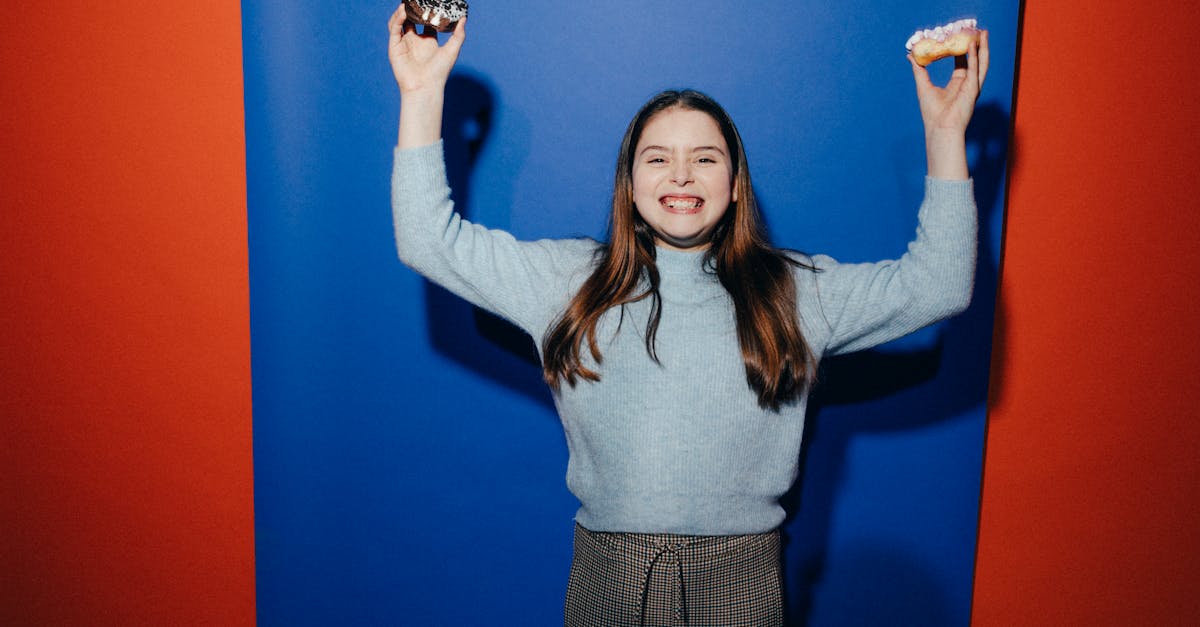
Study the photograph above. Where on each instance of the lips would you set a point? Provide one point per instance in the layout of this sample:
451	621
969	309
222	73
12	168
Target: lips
682	204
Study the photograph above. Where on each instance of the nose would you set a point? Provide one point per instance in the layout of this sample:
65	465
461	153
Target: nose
681	172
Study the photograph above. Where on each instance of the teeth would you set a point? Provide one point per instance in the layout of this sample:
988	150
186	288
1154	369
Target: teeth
940	33
679	203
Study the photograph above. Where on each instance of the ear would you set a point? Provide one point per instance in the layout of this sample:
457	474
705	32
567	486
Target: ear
734	195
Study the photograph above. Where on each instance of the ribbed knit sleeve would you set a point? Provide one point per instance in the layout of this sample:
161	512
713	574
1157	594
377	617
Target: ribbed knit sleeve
525	282
871	303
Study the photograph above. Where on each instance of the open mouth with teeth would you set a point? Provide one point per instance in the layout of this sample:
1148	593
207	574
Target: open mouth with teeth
682	204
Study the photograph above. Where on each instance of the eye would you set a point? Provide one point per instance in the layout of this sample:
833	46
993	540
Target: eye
656	160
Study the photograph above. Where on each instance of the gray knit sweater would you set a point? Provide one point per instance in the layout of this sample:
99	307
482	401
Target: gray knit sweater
681	446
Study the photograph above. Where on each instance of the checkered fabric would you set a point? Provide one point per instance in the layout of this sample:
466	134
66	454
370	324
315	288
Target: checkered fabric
637	579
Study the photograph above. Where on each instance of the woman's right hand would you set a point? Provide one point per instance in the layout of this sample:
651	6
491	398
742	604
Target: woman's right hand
419	63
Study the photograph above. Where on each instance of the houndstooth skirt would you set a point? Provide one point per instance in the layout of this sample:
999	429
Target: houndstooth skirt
637	579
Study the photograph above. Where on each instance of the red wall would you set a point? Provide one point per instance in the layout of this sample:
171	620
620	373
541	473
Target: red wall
125	389
1091	504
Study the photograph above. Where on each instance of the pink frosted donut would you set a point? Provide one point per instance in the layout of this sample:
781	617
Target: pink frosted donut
442	15
950	40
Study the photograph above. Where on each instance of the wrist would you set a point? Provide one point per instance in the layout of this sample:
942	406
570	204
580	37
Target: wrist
948	136
946	155
423	96
420	118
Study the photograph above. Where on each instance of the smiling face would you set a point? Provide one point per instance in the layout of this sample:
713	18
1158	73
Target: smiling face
682	177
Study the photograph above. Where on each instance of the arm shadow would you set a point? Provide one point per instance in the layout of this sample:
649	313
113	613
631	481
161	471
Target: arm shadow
474	338
897	391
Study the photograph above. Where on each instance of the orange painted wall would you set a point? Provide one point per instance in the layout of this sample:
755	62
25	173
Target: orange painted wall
1091	503
126	470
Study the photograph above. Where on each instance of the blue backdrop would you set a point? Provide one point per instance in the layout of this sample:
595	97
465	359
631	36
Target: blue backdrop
409	467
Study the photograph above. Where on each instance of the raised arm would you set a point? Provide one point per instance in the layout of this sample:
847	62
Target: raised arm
868	304
421	67
525	282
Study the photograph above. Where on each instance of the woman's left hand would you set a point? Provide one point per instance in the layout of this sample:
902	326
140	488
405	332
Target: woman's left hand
949	108
946	111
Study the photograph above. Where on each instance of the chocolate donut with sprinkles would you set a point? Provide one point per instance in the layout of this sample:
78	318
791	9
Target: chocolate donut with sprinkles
442	15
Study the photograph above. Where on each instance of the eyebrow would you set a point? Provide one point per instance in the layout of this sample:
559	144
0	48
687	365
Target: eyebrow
696	149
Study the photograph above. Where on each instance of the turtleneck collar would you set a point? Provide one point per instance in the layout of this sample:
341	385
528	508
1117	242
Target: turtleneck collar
671	261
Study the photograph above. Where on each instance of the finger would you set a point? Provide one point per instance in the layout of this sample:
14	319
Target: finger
958	76
399	25
397	19
920	75
972	82
983	57
457	37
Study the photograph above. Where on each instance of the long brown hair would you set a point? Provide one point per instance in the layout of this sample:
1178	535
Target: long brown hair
780	366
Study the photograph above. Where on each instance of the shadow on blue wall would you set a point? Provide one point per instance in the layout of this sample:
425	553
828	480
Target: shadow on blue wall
477	339
940	382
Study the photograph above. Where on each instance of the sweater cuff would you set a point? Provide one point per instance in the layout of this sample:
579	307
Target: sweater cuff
429	159
951	192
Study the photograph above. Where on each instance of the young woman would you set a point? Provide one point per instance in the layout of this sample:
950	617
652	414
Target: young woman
681	351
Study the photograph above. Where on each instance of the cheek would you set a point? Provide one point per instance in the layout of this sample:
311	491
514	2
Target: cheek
638	191
723	186
641	183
